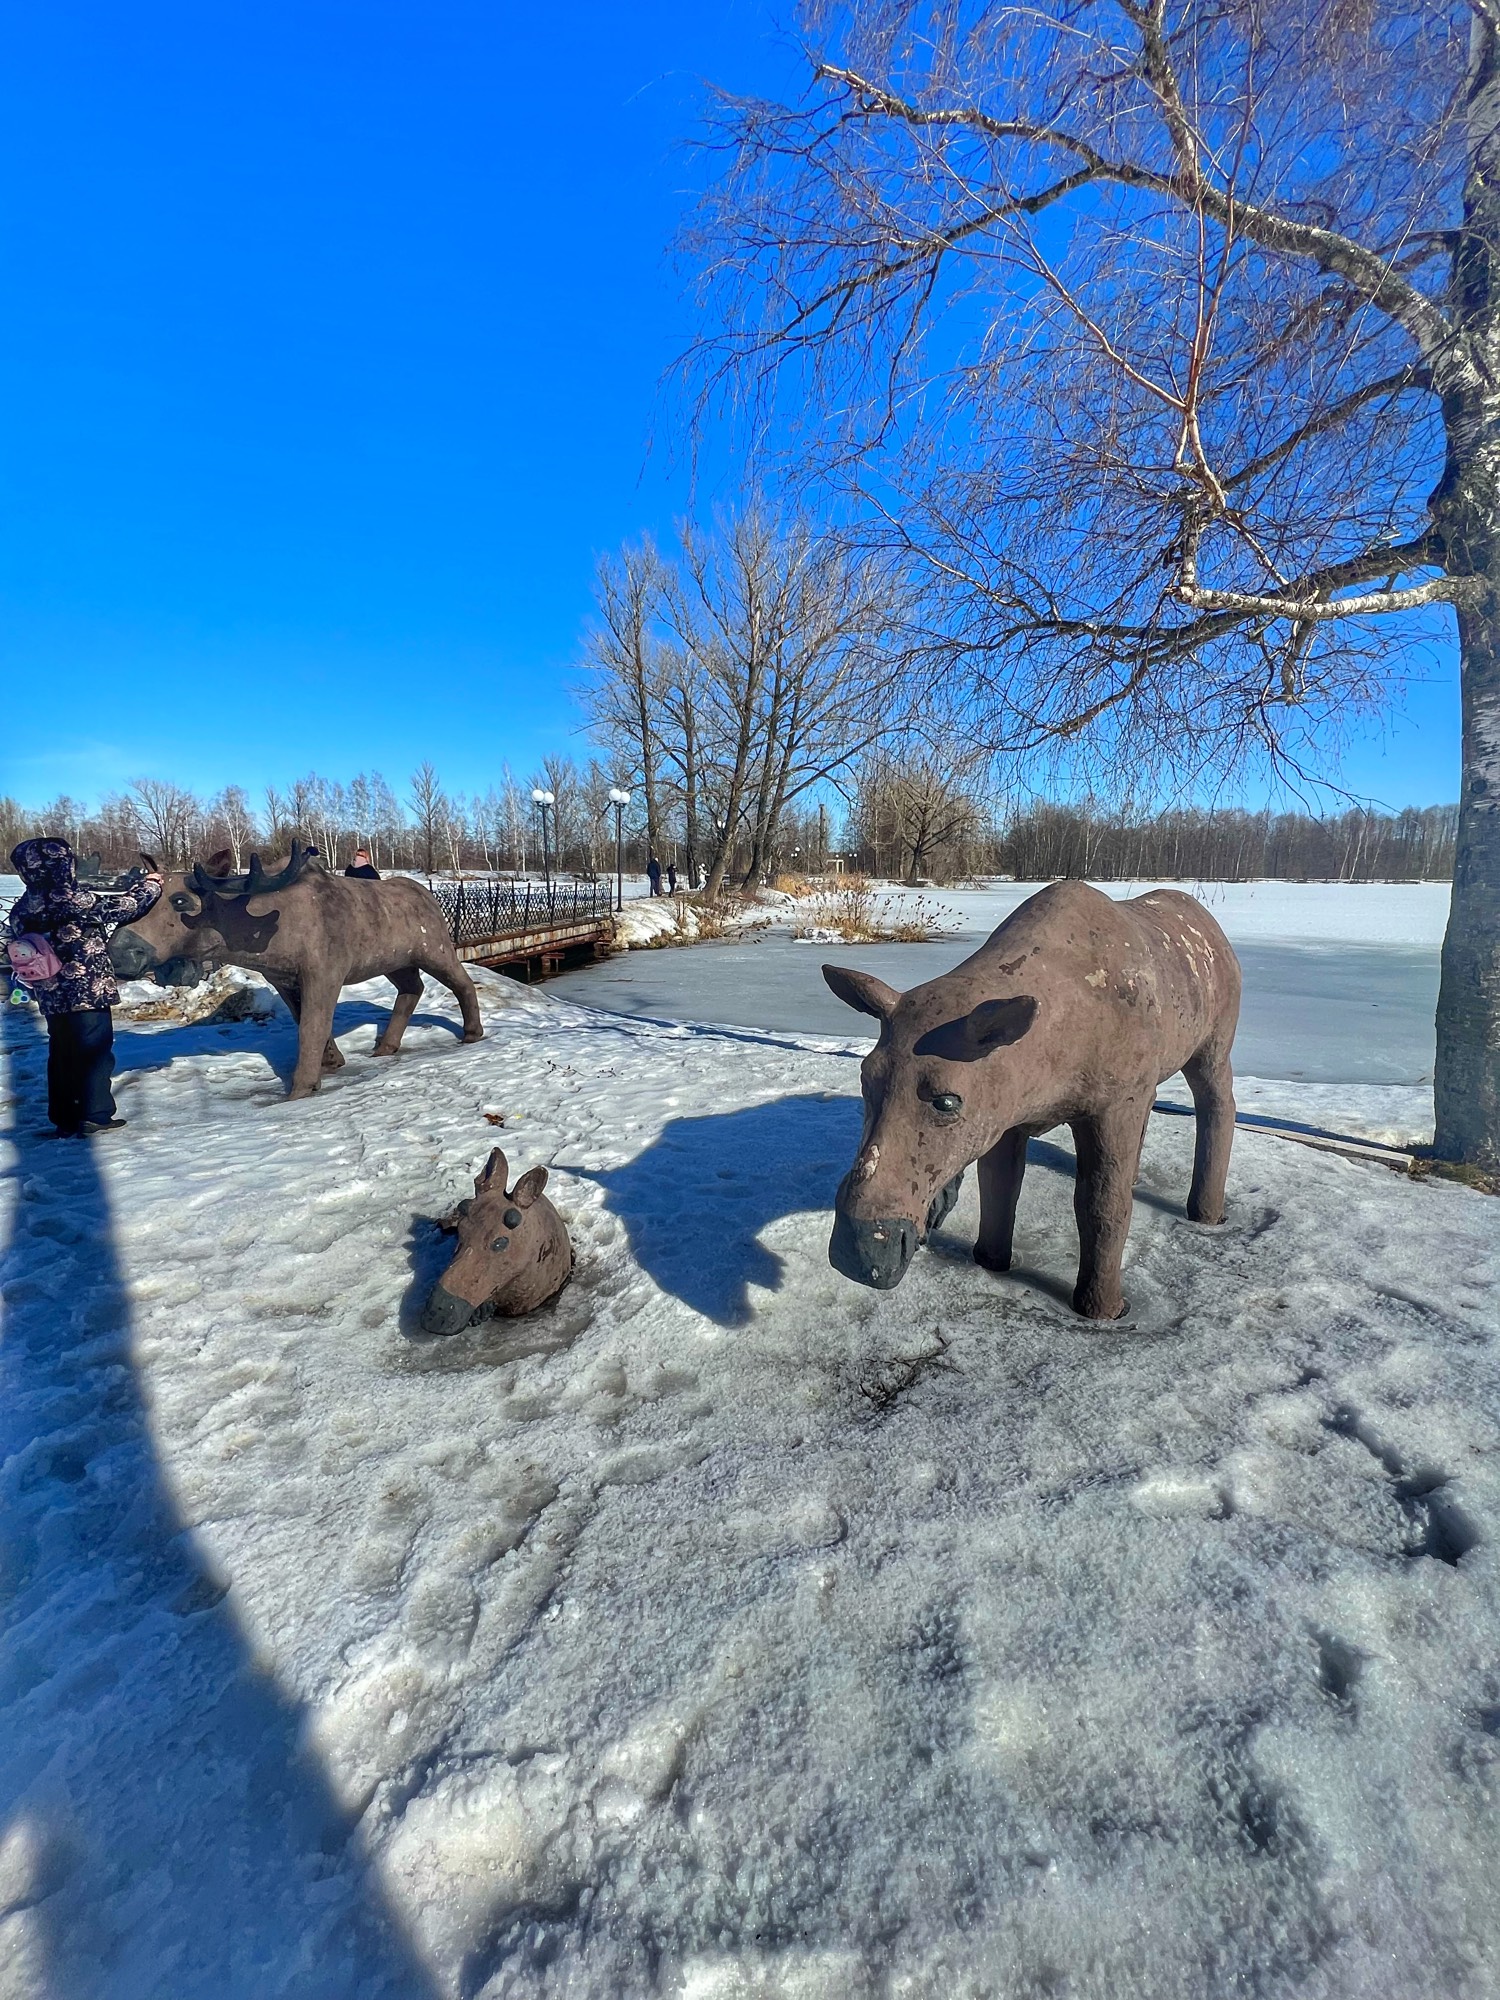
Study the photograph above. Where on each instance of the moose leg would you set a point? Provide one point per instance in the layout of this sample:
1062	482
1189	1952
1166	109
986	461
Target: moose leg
450	973
291	993
314	1037
408	985
1211	1081
1109	1153
1000	1171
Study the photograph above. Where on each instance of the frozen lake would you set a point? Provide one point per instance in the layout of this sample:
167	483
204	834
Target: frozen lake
1344	993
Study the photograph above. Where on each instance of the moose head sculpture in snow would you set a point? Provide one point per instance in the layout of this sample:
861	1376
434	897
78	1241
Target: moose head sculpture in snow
513	1251
1072	1012
310	934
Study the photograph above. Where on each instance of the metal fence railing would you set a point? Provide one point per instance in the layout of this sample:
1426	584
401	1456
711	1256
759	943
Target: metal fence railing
478	911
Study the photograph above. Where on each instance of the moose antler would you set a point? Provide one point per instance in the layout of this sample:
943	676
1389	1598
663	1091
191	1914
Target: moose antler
262	884
256	883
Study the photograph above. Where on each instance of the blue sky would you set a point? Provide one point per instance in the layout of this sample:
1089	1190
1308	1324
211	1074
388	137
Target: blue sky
330	363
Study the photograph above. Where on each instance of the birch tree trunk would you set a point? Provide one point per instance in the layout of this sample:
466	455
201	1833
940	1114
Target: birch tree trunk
1466	510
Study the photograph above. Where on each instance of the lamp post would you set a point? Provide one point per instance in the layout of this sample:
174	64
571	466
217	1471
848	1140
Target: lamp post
619	799
541	800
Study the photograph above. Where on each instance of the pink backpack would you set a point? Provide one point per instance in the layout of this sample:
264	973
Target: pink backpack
33	961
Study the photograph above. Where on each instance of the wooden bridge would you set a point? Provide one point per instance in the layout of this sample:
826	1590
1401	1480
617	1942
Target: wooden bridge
528	929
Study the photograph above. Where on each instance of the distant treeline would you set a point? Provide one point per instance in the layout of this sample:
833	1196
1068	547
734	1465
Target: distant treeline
1415	845
908	821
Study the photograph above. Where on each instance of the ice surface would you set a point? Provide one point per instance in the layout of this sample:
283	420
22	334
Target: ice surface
724	1630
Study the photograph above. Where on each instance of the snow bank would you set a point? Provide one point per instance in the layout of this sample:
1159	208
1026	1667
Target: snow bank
724	1629
652	920
647	919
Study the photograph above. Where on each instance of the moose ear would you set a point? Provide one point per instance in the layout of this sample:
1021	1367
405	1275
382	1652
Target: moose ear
495	1164
862	990
529	1186
993	1024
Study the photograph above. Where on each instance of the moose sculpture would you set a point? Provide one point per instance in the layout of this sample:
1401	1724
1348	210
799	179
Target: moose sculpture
310	934
1072	1012
513	1251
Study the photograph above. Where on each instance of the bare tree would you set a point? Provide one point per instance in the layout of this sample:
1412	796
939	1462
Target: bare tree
1176	330
626	687
429	806
923	814
165	817
278	819
682	748
389	828
561	777
785	630
68	817
232	818
324	813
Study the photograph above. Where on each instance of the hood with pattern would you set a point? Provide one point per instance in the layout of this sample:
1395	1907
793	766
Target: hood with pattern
48	867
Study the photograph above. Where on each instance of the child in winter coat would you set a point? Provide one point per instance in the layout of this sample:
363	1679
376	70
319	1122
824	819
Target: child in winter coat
76	1002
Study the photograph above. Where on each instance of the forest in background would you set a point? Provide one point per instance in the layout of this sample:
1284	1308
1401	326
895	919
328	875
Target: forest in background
902	821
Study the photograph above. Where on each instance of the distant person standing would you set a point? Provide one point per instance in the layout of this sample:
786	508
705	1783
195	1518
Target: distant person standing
361	868
653	875
671	878
76	1001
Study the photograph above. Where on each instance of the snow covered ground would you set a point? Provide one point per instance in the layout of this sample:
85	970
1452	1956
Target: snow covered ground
723	1631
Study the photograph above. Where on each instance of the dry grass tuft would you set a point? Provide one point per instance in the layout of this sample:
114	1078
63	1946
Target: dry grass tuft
1483	1180
856	912
696	919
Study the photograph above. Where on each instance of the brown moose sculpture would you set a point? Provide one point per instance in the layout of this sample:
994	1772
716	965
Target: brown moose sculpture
513	1251
1072	1012
310	934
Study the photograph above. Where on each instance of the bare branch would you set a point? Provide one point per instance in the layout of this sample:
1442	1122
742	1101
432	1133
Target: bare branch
1368	392
1370	274
1465	590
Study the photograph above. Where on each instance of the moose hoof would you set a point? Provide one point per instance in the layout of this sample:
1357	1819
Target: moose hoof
301	1090
1091	1306
992	1260
473	1034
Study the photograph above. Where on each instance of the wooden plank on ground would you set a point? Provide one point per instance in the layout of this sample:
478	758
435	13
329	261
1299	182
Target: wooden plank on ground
1343	1144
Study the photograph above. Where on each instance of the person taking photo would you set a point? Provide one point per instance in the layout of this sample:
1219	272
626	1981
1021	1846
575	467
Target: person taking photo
73	925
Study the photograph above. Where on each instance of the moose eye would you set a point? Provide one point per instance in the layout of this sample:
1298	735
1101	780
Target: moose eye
512	1218
947	1103
500	1243
181	901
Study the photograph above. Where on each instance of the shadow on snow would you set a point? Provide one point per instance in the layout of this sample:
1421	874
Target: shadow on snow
173	1832
274	1037
695	1201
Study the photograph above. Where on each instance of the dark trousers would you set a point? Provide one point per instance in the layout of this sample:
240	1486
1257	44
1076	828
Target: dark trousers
80	1063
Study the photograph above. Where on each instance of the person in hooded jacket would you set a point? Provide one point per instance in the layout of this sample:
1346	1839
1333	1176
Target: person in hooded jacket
76	922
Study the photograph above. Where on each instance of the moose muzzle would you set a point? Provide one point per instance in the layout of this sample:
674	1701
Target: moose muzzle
445	1312
130	955
872	1250
875	1250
